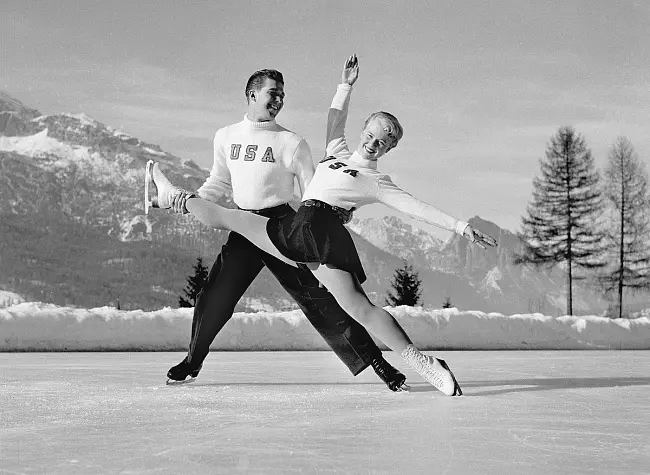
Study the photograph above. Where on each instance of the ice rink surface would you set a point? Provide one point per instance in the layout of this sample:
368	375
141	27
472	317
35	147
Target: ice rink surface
524	412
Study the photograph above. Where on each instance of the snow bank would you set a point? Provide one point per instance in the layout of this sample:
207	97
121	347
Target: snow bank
9	298
44	327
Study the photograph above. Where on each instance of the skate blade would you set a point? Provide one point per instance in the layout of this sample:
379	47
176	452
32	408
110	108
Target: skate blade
148	203
173	382
457	390
403	388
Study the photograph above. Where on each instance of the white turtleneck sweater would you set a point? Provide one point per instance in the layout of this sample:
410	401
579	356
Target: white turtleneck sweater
257	162
347	180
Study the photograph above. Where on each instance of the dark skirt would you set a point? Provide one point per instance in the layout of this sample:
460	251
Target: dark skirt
316	234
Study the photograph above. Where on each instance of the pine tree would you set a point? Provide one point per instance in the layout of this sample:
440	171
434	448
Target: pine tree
562	225
194	284
406	284
626	190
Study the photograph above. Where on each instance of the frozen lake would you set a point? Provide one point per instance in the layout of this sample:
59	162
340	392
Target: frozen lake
524	412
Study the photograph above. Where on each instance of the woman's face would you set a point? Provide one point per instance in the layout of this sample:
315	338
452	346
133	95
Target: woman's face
375	140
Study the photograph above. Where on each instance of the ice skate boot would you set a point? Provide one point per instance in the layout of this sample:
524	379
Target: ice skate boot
395	380
164	191
434	370
178	374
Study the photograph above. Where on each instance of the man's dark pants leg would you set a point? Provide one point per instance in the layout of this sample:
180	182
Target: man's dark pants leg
232	273
347	337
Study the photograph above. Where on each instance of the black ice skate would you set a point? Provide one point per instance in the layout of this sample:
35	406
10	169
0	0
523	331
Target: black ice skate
178	374
395	380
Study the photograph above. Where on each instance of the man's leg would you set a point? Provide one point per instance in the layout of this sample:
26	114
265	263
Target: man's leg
348	338
232	273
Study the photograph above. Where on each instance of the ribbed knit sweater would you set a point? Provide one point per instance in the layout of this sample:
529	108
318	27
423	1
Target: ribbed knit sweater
258	162
347	180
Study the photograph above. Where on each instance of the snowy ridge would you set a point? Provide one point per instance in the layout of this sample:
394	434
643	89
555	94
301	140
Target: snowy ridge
41	145
84	119
491	280
35	326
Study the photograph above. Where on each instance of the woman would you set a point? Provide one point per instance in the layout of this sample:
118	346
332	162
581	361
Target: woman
316	235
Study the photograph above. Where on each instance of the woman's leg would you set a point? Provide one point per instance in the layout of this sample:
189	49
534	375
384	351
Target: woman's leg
251	226
353	300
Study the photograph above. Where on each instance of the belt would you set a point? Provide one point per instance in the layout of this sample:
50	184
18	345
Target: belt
274	211
344	215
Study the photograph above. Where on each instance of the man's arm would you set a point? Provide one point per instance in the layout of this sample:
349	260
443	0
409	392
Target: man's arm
216	185
303	166
219	181
338	113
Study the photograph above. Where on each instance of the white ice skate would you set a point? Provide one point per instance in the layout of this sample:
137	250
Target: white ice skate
164	191
434	370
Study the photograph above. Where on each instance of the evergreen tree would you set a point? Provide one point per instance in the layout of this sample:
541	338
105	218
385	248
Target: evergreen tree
406	284
626	190
194	284
562	225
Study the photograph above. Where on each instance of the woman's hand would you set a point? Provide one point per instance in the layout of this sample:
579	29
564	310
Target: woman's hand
179	200
479	238
350	70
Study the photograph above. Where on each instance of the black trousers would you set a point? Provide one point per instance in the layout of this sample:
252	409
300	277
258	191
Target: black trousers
233	272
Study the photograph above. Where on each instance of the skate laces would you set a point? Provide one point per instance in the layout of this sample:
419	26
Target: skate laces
424	365
389	375
167	190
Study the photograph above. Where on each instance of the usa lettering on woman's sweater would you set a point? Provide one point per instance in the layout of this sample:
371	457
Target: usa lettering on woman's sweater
347	180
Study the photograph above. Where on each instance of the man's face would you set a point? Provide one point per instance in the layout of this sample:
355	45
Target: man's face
268	101
375	140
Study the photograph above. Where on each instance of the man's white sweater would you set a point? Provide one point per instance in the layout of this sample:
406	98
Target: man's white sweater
258	162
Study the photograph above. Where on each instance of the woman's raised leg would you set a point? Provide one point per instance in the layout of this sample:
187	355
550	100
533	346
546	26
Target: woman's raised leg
249	225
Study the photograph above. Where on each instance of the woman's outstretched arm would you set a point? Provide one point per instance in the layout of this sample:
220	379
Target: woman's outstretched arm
395	197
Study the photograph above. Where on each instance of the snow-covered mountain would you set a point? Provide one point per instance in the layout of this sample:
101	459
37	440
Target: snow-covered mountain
399	238
74	231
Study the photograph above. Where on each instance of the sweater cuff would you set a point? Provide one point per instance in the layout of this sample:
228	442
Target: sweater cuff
460	227
342	93
208	194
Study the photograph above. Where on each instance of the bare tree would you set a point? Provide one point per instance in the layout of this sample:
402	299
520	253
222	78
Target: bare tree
626	190
563	222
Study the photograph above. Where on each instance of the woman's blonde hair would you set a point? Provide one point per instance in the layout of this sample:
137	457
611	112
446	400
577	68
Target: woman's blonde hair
393	127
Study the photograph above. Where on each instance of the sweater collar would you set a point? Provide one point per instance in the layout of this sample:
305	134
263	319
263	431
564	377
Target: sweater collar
359	160
266	125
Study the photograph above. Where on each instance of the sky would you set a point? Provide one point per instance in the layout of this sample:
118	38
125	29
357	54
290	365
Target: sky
479	86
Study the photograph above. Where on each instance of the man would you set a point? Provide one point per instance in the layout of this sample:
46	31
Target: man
258	160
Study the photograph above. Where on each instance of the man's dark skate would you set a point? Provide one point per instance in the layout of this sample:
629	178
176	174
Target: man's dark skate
395	380
178	374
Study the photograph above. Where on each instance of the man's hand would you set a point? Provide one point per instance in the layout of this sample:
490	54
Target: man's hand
479	238
179	200
350	70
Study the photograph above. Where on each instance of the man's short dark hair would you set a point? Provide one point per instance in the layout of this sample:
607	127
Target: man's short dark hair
258	78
